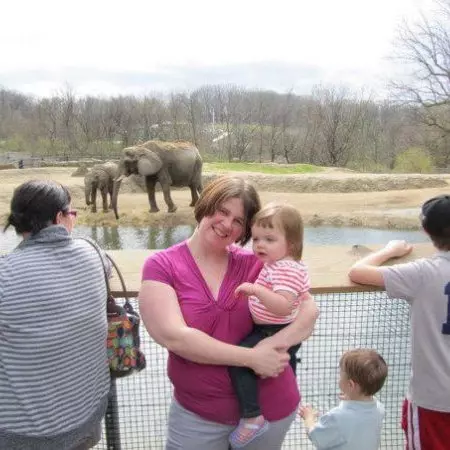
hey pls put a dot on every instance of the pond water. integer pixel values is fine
(117, 238)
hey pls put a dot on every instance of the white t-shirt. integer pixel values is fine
(425, 285)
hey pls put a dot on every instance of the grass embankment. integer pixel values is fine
(274, 169)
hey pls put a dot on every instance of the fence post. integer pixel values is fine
(112, 429)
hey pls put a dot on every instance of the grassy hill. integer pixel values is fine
(274, 169)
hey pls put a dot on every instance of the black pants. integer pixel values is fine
(245, 381)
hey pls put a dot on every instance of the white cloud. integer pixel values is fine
(54, 39)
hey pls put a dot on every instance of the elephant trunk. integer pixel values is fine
(115, 195)
(87, 193)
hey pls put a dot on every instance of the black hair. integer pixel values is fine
(435, 218)
(35, 204)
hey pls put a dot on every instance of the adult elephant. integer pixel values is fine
(100, 177)
(169, 163)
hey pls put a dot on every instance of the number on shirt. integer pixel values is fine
(446, 325)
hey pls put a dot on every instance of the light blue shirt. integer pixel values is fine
(353, 425)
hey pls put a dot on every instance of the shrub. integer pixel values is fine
(414, 160)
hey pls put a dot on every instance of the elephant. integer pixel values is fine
(169, 163)
(100, 177)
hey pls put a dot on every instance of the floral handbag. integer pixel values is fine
(124, 354)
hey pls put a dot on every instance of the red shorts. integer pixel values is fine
(425, 429)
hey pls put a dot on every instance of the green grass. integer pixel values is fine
(273, 169)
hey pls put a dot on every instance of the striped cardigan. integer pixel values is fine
(54, 375)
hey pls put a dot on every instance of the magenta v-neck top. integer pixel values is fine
(205, 389)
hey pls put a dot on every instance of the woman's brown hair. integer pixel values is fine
(222, 189)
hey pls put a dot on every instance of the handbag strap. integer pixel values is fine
(122, 281)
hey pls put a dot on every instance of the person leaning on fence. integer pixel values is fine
(54, 375)
(188, 305)
(359, 417)
(425, 285)
(274, 300)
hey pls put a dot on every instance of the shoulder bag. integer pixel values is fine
(124, 354)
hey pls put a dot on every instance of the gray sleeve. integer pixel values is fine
(327, 433)
(403, 280)
(107, 264)
(2, 276)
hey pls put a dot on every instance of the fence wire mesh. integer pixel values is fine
(347, 320)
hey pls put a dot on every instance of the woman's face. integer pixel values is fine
(67, 219)
(225, 226)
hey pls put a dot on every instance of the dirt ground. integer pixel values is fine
(333, 197)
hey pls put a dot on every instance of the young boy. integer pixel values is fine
(356, 423)
(274, 299)
(425, 285)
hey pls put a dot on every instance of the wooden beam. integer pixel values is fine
(328, 266)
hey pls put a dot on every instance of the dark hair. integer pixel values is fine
(35, 204)
(435, 218)
(366, 368)
(288, 220)
(222, 189)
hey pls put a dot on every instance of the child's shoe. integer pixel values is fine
(247, 430)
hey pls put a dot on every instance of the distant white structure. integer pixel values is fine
(220, 137)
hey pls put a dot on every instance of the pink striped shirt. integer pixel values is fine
(283, 275)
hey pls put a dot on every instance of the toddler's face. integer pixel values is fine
(269, 244)
(344, 383)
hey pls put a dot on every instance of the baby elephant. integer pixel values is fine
(100, 177)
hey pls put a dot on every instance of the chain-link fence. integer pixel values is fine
(347, 320)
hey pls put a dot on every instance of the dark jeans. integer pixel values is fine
(245, 381)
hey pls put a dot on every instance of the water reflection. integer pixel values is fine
(117, 238)
(114, 238)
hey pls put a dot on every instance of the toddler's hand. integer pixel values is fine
(307, 412)
(245, 288)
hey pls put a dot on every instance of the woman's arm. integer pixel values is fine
(300, 329)
(163, 319)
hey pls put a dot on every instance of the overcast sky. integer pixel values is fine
(102, 47)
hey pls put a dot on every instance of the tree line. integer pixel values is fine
(333, 125)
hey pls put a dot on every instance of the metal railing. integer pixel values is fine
(138, 409)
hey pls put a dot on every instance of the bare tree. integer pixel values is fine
(341, 114)
(423, 50)
(191, 103)
(176, 115)
(47, 112)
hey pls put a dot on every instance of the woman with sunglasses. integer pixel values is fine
(54, 376)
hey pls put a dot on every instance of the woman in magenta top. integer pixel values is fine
(188, 305)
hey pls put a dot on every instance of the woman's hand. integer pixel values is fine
(269, 360)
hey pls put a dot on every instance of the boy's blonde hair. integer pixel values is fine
(287, 219)
(366, 368)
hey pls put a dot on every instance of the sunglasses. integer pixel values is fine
(72, 213)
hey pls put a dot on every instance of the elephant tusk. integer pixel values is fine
(120, 178)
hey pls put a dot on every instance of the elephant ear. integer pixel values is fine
(149, 164)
